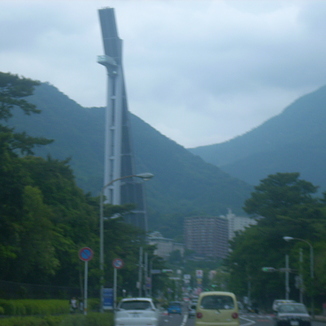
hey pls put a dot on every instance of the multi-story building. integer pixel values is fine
(207, 236)
(237, 223)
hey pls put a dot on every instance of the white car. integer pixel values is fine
(136, 312)
(277, 302)
(292, 314)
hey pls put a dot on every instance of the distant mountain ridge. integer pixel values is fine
(293, 141)
(184, 184)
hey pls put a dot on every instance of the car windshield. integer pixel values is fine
(175, 304)
(278, 302)
(298, 308)
(217, 302)
(135, 305)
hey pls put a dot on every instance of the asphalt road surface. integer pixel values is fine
(246, 319)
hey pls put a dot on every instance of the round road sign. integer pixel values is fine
(86, 254)
(117, 263)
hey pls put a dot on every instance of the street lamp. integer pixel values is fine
(151, 273)
(286, 238)
(144, 176)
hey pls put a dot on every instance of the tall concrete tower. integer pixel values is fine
(118, 155)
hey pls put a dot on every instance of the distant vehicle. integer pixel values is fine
(194, 300)
(277, 302)
(136, 312)
(292, 314)
(175, 307)
(217, 308)
(192, 311)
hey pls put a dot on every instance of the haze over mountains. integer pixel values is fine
(204, 180)
(293, 141)
(184, 184)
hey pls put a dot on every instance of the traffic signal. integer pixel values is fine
(167, 271)
(268, 269)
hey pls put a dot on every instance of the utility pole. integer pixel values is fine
(145, 273)
(140, 271)
(287, 287)
(301, 276)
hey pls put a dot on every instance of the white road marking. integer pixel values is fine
(249, 321)
(185, 317)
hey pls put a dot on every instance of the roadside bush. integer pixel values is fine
(8, 307)
(33, 307)
(32, 321)
(92, 319)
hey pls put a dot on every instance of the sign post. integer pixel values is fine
(85, 254)
(117, 264)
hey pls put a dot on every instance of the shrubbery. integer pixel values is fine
(33, 307)
(92, 319)
(26, 307)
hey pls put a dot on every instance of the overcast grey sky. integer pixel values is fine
(201, 72)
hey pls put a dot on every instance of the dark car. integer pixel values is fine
(192, 310)
(292, 314)
(175, 307)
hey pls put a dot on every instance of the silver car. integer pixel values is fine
(292, 314)
(136, 312)
(278, 302)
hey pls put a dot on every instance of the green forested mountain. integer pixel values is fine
(183, 184)
(46, 218)
(293, 141)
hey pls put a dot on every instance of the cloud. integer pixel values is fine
(200, 72)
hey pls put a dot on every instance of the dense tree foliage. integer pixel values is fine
(45, 219)
(16, 217)
(284, 205)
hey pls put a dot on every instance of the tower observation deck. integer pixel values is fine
(118, 153)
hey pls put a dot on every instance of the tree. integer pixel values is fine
(37, 255)
(13, 90)
(13, 176)
(45, 219)
(74, 217)
(283, 205)
(278, 193)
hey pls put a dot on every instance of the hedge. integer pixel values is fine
(91, 319)
(26, 307)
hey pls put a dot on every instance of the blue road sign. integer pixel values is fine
(107, 298)
(117, 263)
(86, 254)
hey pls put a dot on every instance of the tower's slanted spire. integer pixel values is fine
(118, 155)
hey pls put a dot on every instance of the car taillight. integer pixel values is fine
(235, 315)
(199, 315)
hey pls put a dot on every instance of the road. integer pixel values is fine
(246, 319)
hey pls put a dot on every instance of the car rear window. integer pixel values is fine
(292, 308)
(217, 302)
(135, 305)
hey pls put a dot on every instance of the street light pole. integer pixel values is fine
(151, 274)
(286, 238)
(144, 176)
(287, 288)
